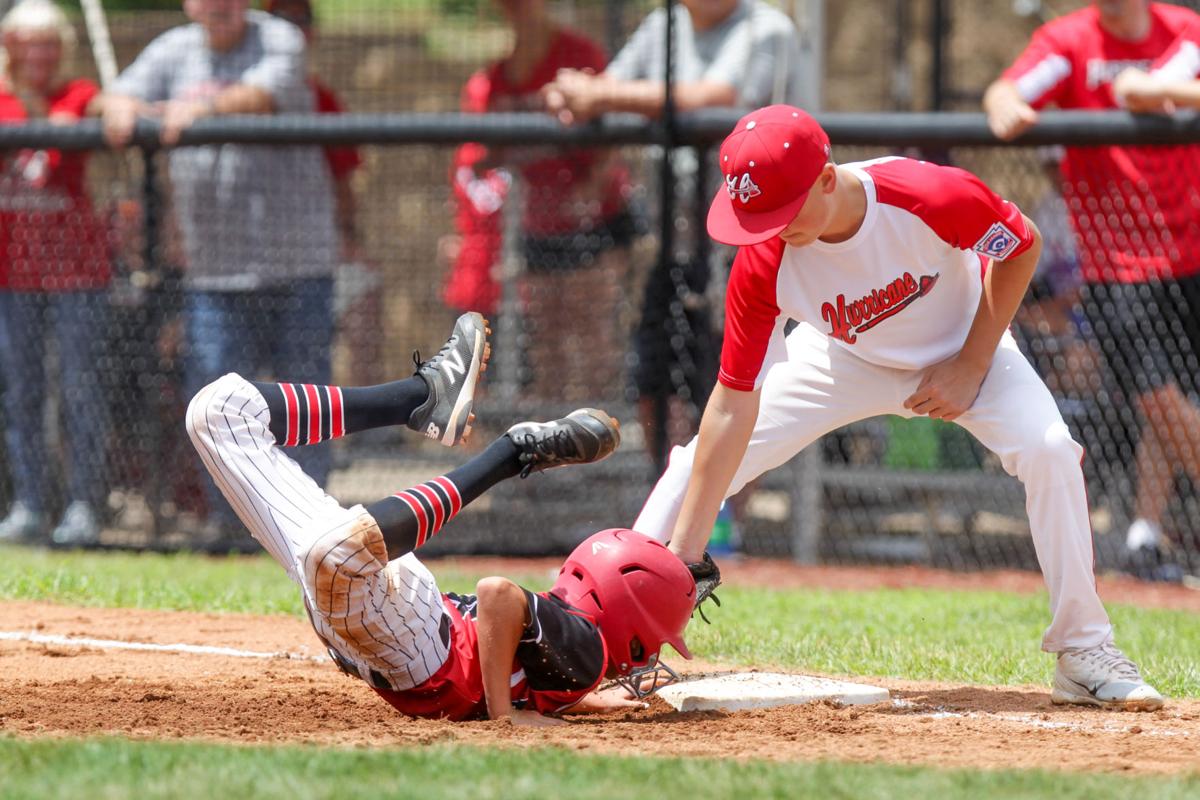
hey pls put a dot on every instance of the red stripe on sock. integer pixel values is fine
(293, 415)
(452, 493)
(336, 417)
(439, 508)
(418, 512)
(314, 413)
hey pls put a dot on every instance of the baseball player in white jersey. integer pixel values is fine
(904, 277)
(505, 652)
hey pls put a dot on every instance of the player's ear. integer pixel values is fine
(828, 178)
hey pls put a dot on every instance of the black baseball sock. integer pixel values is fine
(306, 413)
(410, 518)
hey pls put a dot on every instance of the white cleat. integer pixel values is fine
(1104, 677)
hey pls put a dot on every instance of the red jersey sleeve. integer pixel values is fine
(751, 310)
(1181, 61)
(1040, 73)
(956, 205)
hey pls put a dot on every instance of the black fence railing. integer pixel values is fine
(883, 490)
(692, 129)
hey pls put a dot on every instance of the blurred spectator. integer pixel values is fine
(1133, 209)
(54, 271)
(576, 224)
(357, 303)
(730, 53)
(1047, 323)
(257, 222)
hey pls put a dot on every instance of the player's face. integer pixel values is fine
(815, 215)
(34, 57)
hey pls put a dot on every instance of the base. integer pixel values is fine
(744, 690)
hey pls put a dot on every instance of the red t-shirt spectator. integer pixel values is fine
(558, 184)
(50, 237)
(1134, 208)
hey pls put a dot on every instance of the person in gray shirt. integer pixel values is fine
(257, 222)
(729, 53)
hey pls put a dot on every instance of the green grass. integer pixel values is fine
(110, 768)
(968, 637)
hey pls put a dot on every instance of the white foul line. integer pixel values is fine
(112, 644)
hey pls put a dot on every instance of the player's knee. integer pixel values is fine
(207, 402)
(1055, 452)
(339, 561)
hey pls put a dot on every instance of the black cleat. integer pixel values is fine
(451, 376)
(581, 437)
(708, 578)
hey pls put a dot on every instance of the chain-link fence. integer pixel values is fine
(326, 249)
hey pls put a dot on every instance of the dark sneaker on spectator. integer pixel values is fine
(582, 437)
(22, 524)
(1153, 563)
(451, 376)
(80, 526)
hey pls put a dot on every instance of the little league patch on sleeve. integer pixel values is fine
(998, 243)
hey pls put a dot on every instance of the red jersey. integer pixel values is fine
(50, 238)
(561, 658)
(1134, 209)
(559, 184)
(342, 160)
(902, 292)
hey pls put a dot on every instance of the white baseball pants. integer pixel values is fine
(383, 621)
(818, 386)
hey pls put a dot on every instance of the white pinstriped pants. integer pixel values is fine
(817, 386)
(383, 621)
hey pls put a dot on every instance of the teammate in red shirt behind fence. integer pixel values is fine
(1133, 209)
(904, 277)
(504, 652)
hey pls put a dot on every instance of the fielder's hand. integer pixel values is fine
(948, 389)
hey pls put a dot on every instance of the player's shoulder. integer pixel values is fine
(1176, 18)
(942, 197)
(756, 263)
(907, 181)
(274, 30)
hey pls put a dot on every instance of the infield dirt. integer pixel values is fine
(71, 690)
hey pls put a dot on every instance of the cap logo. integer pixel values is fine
(598, 546)
(741, 188)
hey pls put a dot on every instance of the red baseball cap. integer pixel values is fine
(770, 162)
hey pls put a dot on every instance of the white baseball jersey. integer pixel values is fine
(875, 311)
(901, 292)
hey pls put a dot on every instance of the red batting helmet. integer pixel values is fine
(637, 591)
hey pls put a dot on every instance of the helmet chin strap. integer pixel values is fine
(654, 675)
